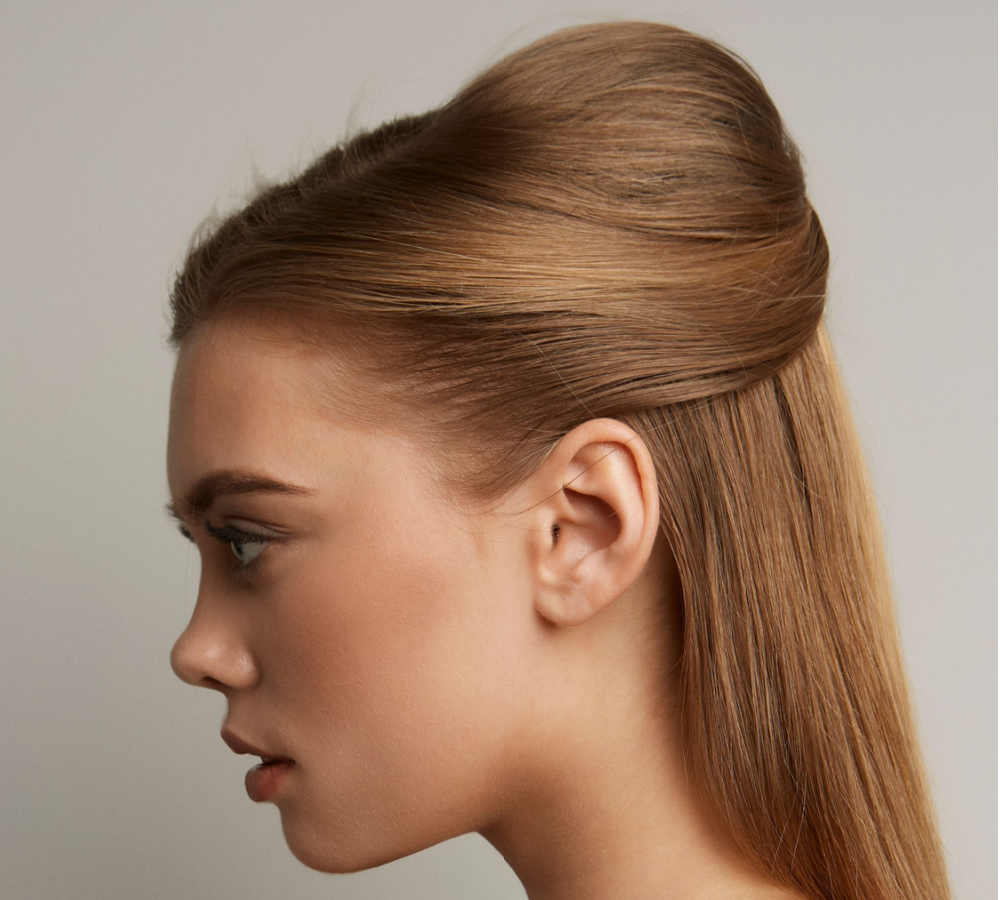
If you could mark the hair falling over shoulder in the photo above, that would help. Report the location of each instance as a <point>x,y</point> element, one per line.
<point>613,222</point>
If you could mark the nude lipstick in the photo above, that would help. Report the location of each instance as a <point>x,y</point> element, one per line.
<point>265,778</point>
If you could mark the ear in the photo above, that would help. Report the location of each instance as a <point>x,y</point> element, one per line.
<point>595,516</point>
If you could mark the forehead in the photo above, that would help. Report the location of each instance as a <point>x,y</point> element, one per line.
<point>241,401</point>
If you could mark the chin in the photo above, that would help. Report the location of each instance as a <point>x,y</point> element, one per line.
<point>326,850</point>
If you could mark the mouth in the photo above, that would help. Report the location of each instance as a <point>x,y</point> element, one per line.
<point>274,760</point>
<point>240,746</point>
<point>264,779</point>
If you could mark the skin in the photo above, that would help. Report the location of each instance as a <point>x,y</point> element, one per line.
<point>433,667</point>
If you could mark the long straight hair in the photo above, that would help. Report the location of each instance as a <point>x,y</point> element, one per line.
<point>613,222</point>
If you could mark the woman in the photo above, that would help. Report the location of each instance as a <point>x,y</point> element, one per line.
<point>529,500</point>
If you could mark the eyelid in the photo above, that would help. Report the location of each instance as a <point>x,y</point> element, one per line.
<point>229,534</point>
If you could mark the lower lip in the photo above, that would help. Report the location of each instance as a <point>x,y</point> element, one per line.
<point>263,780</point>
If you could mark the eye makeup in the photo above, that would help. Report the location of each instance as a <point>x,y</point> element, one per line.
<point>237,538</point>
<point>227,534</point>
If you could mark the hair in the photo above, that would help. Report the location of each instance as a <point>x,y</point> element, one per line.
<point>613,222</point>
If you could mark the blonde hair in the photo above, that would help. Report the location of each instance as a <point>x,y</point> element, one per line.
<point>613,222</point>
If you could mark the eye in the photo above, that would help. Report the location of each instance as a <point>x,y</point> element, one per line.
<point>245,545</point>
<point>247,551</point>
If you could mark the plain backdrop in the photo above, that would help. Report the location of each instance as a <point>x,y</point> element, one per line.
<point>124,124</point>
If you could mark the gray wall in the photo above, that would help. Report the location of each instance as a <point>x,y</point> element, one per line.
<point>123,124</point>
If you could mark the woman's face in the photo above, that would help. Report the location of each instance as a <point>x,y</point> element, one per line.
<point>377,635</point>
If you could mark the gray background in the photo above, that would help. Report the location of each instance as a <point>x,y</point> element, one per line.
<point>124,123</point>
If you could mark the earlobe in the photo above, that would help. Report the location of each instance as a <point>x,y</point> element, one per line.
<point>599,516</point>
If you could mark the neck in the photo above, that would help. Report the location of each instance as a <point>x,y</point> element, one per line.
<point>601,824</point>
<point>599,803</point>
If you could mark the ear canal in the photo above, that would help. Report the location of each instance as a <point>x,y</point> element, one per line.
<point>555,534</point>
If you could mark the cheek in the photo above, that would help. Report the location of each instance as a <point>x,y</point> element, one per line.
<point>401,684</point>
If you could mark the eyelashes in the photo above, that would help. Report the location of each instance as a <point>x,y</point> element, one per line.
<point>248,547</point>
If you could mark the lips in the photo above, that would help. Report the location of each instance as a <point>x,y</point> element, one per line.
<point>238,745</point>
<point>263,782</point>
<point>265,779</point>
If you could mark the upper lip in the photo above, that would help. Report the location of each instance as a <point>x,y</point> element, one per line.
<point>238,745</point>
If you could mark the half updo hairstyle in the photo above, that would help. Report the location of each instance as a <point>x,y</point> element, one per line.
<point>612,222</point>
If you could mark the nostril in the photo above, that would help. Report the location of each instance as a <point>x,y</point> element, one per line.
<point>212,657</point>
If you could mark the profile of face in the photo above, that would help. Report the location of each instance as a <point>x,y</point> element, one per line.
<point>364,623</point>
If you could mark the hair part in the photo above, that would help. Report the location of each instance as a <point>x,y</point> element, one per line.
<point>613,222</point>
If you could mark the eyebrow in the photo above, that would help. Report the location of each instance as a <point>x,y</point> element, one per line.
<point>208,489</point>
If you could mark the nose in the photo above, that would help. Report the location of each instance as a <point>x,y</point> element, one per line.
<point>211,652</point>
